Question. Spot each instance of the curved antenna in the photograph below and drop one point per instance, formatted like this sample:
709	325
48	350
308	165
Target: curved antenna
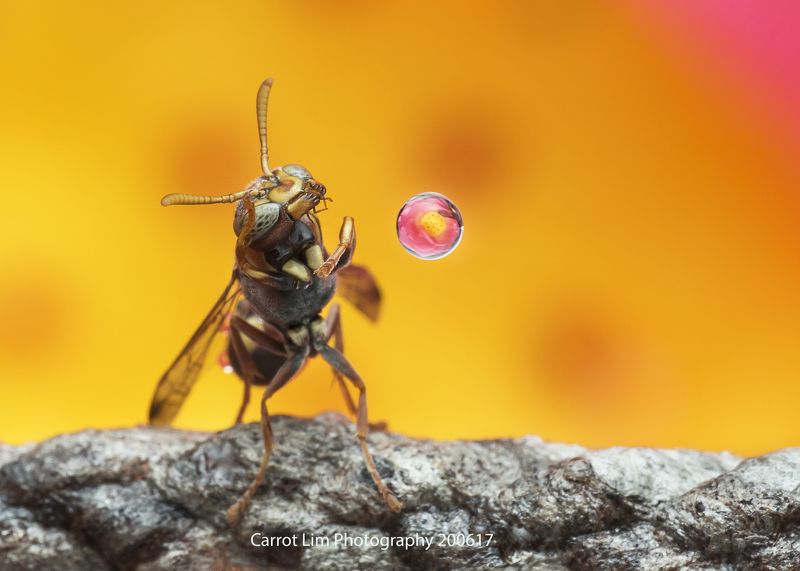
261	115
173	199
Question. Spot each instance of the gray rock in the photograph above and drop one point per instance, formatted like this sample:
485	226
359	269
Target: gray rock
150	499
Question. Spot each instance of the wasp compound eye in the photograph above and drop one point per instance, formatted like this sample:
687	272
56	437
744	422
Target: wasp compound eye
429	226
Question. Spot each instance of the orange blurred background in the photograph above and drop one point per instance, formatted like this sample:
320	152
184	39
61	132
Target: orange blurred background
628	273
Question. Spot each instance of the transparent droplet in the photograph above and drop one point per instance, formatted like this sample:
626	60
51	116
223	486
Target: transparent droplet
224	362
429	226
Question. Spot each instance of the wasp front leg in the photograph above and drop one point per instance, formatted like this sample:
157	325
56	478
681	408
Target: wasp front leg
347	242
333	327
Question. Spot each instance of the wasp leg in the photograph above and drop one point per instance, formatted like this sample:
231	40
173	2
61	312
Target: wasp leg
245	401
263	340
283	376
338	361
333	323
266	335
315	227
275	281
249	371
347	241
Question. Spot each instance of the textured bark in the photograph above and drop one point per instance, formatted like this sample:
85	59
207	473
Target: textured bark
146	498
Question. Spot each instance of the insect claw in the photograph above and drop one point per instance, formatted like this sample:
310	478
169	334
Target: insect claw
325	200
325	269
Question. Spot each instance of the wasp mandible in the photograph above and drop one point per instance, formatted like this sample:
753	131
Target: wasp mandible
282	279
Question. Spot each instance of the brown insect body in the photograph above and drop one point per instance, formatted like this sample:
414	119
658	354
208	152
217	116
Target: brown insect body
289	308
271	308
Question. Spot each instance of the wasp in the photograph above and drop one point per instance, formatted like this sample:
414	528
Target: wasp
270	309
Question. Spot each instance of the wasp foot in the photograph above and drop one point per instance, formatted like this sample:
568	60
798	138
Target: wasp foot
392	502
234	514
325	269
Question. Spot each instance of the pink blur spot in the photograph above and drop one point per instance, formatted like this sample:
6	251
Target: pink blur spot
413	236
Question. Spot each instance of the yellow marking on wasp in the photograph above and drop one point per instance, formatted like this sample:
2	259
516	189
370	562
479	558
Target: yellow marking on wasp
296	270
314	257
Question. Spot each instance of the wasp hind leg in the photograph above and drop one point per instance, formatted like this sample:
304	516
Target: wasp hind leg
333	323
338	361
283	376
269	339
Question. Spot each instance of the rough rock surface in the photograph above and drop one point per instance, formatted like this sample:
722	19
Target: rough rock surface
146	498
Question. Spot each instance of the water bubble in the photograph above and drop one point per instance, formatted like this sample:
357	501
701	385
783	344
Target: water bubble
429	226
225	363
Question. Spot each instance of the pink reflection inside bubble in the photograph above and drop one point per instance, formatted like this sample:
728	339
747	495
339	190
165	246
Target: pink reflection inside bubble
429	226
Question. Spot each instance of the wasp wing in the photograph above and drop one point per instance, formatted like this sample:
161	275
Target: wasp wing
357	285
178	380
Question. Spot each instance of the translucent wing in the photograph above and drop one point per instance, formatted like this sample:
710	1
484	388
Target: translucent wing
357	285
178	380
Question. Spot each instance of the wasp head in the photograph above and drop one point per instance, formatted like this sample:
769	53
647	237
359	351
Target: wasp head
295	179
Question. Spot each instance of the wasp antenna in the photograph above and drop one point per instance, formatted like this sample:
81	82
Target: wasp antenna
261	115
173	199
